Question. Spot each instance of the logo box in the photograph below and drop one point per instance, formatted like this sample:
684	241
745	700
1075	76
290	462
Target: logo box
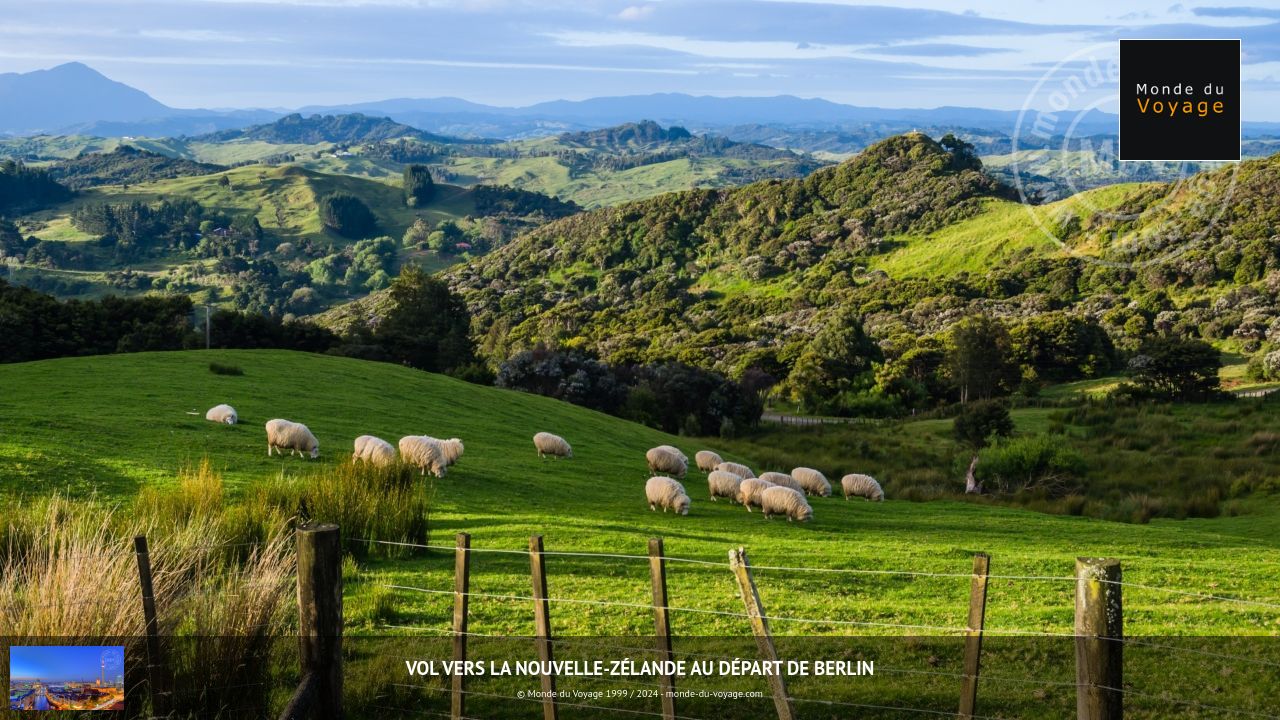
1180	100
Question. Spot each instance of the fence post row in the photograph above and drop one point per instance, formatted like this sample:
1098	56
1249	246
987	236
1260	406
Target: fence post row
662	625
1099	640
319	695
973	635
542	626
760	627
155	663
461	586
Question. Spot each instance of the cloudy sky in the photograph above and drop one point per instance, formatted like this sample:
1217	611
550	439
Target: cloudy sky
908	53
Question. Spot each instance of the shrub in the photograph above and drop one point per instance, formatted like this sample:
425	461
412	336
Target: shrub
347	215
1033	463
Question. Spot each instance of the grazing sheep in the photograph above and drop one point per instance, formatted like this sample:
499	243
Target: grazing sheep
452	450
749	492
783	479
738	469
552	445
373	450
295	437
707	460
723	484
424	453
863	486
812	481
668	494
222	414
785	501
666	459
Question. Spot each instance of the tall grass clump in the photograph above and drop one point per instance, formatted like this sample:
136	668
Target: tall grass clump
369	503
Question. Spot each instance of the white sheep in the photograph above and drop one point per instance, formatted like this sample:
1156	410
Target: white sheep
666	459
452	450
373	450
738	469
222	414
785	501
783	479
424	453
677	451
813	482
553	445
749	492
295	437
707	460
666	493
863	486
723	484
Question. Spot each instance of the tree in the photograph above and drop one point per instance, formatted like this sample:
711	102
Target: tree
1174	368
839	353
980	358
347	215
418	186
427	326
974	427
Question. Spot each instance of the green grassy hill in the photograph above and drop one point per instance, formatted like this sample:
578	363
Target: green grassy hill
107	426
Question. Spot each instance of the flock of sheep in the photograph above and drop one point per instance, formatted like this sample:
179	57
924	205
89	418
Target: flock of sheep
775	493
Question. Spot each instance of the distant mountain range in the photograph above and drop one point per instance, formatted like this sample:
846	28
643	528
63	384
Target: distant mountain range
76	99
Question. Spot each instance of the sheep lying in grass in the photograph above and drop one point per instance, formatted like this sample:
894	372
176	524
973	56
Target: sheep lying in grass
424	453
812	481
666	459
863	486
666	493
222	414
373	450
552	445
707	460
723	485
295	437
785	501
738	469
452	450
749	491
783	479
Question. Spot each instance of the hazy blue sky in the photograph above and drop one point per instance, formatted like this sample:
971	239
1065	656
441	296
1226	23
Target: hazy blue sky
908	53
64	662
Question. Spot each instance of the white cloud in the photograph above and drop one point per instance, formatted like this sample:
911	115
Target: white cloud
635	12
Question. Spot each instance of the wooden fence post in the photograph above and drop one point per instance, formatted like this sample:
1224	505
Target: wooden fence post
1099	640
662	625
760	627
542	627
155	665
320	616
973	635
461	588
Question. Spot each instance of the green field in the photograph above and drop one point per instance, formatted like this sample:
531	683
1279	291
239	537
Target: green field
104	427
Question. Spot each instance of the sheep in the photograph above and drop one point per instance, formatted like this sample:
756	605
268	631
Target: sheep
663	459
783	479
424	453
295	437
373	450
452	450
723	484
785	501
863	486
738	469
707	460
222	414
552	445
666	493
749	491
812	481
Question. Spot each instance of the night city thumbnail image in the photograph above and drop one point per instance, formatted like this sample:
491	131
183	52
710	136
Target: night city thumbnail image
66	677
